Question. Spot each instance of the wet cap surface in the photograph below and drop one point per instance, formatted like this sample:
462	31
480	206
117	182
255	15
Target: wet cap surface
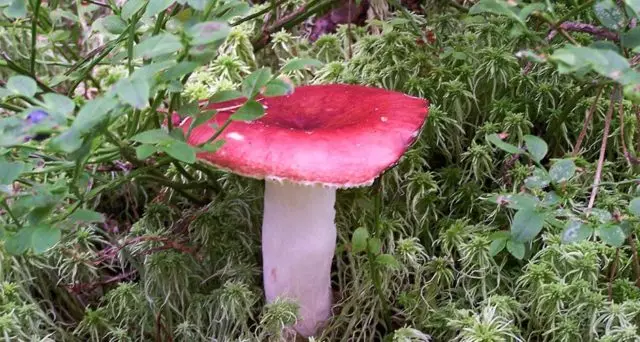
337	135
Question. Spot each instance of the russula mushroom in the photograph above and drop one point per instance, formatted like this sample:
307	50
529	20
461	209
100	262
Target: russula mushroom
307	145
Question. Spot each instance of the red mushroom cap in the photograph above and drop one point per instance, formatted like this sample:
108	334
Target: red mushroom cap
336	135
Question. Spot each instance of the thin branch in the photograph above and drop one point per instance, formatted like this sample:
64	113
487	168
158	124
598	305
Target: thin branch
636	261
597	31
612	274
587	121
603	149
34	36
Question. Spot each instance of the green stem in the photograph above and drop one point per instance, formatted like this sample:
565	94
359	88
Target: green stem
375	272
34	35
576	10
6	207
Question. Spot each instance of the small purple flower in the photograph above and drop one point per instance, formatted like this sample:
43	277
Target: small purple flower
36	116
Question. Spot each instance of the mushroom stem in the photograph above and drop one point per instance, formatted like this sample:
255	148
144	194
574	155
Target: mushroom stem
298	245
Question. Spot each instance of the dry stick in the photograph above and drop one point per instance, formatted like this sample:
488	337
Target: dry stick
636	261
612	274
603	150
587	120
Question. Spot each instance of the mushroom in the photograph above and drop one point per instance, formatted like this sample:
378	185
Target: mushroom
308	144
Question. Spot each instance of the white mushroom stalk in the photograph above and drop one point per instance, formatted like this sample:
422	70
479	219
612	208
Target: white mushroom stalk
298	245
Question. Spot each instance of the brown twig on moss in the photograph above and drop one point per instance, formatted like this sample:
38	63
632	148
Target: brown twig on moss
596	31
603	148
587	121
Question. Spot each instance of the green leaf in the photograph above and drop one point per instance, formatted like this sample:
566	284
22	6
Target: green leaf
69	141
254	82
576	231
634	206
518	201
609	14
180	151
359	240
631	38
22	85
114	24
44	237
134	92
374	245
388	260
526	225
208	32
516	249
162	44
145	151
225	95
300	63
178	70
530	9
197	4
250	110
10	171
86	215
19	242
562	170
538	180
497	7
278	87
634	5
17	9
131	7
603	216
611	234
59	104
497	246
495	140
537	147
153	136
156	6
93	113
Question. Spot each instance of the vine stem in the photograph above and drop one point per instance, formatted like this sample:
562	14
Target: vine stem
603	150
612	274
585	124
636	261
34	36
6	207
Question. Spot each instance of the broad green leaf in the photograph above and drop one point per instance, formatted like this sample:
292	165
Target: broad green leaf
576	231
359	240
634	206
497	246
631	38
44	237
538	180
526	225
114	24
495	140
93	113
231	9
537	147
551	198
86	215
388	260
498	7
518	201
609	14
197	4
213	146
374	245
603	216
17	9
19	242
225	95
300	63
156	6
178	71
60	104
250	110
134	92
516	249
22	85
278	87
145	151
530	9
180	150
208	32
254	82
69	141
162	44
153	136
132	7
10	171
611	234
201	118
634	5
562	170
